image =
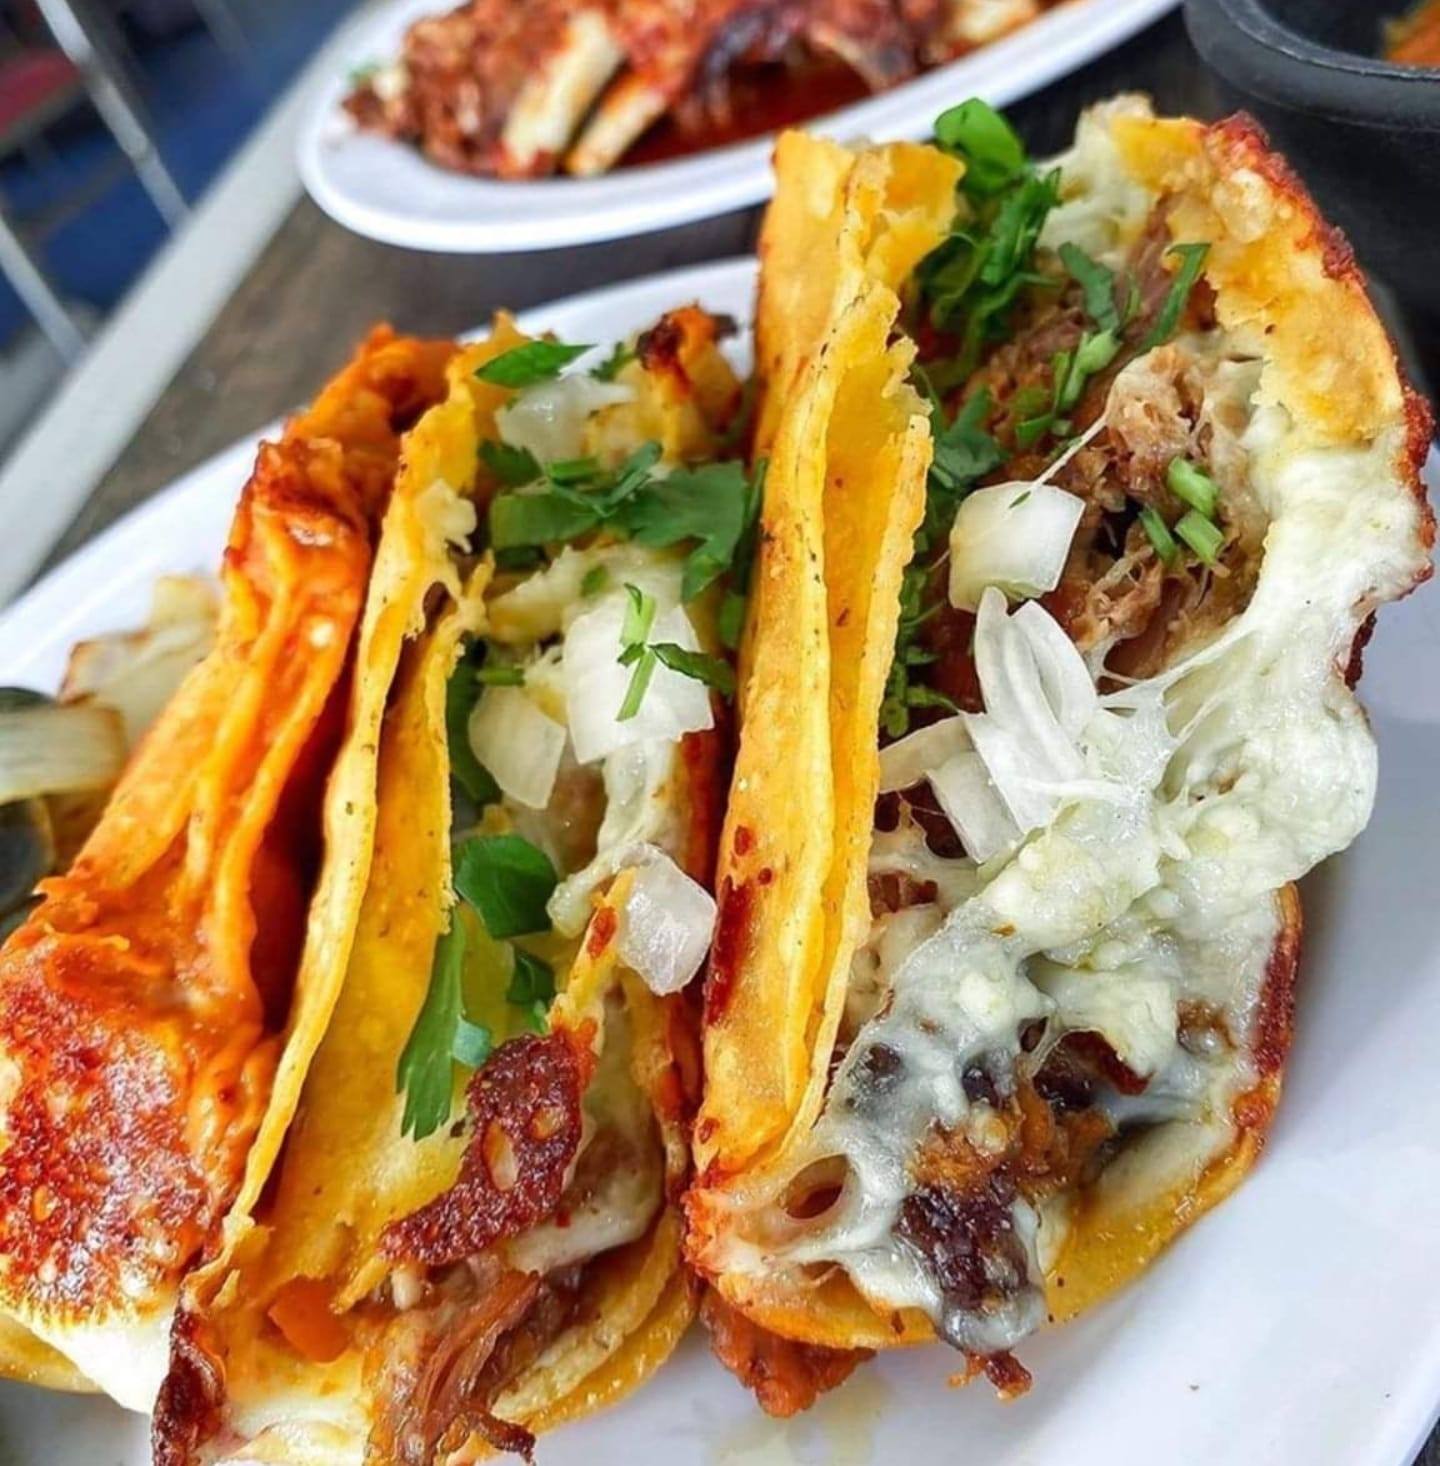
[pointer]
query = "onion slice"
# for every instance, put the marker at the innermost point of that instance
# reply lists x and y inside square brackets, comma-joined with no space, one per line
[518,744]
[548,420]
[596,684]
[965,792]
[669,920]
[1063,674]
[1014,536]
[910,759]
[59,748]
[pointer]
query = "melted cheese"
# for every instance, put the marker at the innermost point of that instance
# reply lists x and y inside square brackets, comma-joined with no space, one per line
[1154,886]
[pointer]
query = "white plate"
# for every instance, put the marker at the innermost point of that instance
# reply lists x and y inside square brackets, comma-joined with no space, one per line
[389,191]
[1297,1326]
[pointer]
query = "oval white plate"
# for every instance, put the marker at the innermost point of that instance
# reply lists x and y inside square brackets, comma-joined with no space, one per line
[1297,1326]
[389,191]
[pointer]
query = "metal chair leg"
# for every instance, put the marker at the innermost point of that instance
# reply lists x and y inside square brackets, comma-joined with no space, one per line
[25,272]
[80,34]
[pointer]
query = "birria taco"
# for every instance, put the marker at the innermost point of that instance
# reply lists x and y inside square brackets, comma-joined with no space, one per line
[473,1233]
[158,1003]
[1049,703]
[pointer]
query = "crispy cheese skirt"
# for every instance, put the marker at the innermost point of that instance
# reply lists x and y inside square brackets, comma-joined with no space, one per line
[143,1006]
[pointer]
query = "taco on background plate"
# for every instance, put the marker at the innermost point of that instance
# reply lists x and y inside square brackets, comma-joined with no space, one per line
[1049,702]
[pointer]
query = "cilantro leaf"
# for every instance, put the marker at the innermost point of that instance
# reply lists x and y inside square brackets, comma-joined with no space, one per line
[644,660]
[1192,260]
[708,504]
[639,618]
[425,1073]
[532,981]
[519,520]
[712,671]
[620,357]
[512,466]
[524,366]
[994,156]
[595,579]
[461,692]
[1097,281]
[508,881]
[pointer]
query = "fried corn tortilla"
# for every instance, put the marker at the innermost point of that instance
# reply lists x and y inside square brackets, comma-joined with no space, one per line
[157,1006]
[1002,1003]
[409,1289]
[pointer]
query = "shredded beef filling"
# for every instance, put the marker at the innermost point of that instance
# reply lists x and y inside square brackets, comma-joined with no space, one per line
[784,1376]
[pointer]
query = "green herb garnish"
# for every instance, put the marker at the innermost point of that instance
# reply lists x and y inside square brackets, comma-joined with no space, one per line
[1192,259]
[425,1073]
[595,579]
[1159,534]
[973,278]
[620,357]
[532,980]
[461,692]
[1201,534]
[1193,486]
[508,881]
[524,366]
[519,521]
[1097,282]
[994,156]
[712,671]
[512,466]
[708,504]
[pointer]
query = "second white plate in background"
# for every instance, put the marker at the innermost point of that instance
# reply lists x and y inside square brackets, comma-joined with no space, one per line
[391,192]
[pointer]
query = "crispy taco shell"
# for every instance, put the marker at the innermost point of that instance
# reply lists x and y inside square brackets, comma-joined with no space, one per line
[846,490]
[151,1021]
[347,1311]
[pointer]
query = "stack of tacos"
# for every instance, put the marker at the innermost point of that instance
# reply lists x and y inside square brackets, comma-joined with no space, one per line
[363,1097]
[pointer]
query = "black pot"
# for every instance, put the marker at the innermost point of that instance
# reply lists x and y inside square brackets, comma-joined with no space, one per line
[1364,134]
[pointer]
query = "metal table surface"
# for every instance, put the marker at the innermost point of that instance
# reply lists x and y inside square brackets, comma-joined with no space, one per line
[315,288]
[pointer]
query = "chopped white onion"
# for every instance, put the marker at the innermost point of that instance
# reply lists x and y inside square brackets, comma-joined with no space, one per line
[1023,786]
[1015,536]
[641,811]
[549,419]
[596,683]
[137,672]
[669,920]
[1063,673]
[518,744]
[964,790]
[543,604]
[57,748]
[1014,694]
[909,759]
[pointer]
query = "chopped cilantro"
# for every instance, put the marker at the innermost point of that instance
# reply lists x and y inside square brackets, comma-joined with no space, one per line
[512,466]
[461,692]
[425,1072]
[712,671]
[508,881]
[532,981]
[994,156]
[524,366]
[595,579]
[1192,260]
[620,357]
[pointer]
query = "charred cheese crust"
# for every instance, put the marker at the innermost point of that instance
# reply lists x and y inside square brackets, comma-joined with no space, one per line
[141,1004]
[1282,277]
